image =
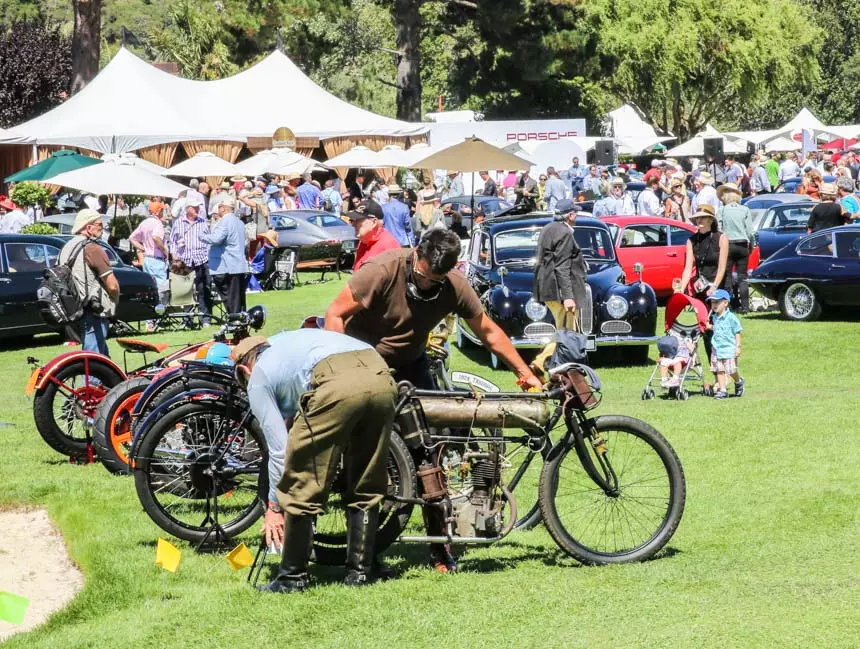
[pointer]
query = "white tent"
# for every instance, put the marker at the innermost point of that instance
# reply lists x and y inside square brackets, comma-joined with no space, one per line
[359,157]
[119,175]
[626,122]
[782,143]
[696,145]
[131,104]
[202,164]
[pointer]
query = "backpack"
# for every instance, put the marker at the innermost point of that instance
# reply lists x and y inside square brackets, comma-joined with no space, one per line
[57,295]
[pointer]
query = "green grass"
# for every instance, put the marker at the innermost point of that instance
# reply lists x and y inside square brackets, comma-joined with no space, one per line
[766,555]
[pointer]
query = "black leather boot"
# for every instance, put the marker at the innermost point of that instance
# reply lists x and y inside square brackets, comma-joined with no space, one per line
[293,575]
[360,536]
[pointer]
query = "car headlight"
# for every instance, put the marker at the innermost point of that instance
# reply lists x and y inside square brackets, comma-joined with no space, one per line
[617,306]
[535,310]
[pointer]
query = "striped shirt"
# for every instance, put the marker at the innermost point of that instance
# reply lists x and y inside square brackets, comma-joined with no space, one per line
[185,242]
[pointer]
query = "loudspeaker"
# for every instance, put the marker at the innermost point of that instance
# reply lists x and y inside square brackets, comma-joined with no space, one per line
[714,150]
[604,152]
[751,148]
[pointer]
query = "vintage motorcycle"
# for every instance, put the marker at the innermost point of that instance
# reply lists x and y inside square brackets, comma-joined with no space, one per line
[68,390]
[611,488]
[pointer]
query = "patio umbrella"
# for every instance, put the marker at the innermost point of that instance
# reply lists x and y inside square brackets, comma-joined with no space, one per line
[137,161]
[358,156]
[472,154]
[59,162]
[202,164]
[120,175]
[278,161]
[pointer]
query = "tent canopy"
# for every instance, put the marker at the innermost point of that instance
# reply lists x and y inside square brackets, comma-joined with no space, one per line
[202,164]
[109,114]
[696,145]
[278,161]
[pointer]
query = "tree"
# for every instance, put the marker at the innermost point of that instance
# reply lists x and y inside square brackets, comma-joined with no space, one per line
[690,62]
[86,41]
[37,66]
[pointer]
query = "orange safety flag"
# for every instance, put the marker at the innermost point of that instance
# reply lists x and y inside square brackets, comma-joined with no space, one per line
[167,555]
[240,557]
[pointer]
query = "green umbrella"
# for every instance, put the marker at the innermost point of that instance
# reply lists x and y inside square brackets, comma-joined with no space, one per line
[59,162]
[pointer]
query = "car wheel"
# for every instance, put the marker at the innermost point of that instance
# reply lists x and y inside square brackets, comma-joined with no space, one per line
[799,302]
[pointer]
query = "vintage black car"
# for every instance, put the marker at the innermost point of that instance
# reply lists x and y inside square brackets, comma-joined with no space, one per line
[501,269]
[821,270]
[23,258]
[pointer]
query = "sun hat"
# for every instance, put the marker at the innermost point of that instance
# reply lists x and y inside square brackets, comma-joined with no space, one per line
[226,185]
[706,210]
[395,189]
[7,204]
[727,188]
[705,178]
[828,189]
[271,236]
[676,182]
[272,189]
[238,179]
[228,201]
[720,294]
[84,218]
[246,346]
[617,181]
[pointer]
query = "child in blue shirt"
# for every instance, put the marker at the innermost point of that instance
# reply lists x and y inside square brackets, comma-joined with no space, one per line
[726,344]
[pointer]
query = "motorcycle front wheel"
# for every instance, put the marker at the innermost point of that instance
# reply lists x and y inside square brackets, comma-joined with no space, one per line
[634,518]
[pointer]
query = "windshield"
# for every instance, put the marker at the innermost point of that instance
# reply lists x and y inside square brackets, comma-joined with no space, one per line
[520,246]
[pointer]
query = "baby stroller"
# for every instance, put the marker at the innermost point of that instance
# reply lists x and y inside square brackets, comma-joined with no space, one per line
[694,316]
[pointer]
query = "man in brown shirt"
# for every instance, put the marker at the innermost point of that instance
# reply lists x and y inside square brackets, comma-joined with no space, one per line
[393,302]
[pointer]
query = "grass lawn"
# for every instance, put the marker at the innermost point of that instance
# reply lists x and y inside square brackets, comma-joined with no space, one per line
[766,555]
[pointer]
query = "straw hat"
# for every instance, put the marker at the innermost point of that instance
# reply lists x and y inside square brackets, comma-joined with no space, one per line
[727,188]
[828,189]
[84,218]
[706,210]
[271,236]
[245,346]
[705,178]
[395,189]
[238,179]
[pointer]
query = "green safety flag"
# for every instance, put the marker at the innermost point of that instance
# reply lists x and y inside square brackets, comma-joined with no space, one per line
[13,607]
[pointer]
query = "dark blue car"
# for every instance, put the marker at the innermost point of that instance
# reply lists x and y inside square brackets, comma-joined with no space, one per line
[821,270]
[781,225]
[501,267]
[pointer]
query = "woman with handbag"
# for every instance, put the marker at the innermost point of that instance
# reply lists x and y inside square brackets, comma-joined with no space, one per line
[706,261]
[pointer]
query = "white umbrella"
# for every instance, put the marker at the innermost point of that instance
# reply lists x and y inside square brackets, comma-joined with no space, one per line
[358,156]
[121,175]
[278,161]
[138,161]
[202,164]
[472,154]
[782,144]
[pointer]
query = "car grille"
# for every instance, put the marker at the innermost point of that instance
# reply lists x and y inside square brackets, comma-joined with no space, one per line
[586,312]
[538,330]
[615,327]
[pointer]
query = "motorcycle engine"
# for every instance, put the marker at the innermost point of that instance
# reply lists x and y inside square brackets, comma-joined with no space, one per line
[478,507]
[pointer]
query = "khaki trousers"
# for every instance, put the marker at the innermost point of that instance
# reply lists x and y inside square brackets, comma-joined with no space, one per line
[564,319]
[349,410]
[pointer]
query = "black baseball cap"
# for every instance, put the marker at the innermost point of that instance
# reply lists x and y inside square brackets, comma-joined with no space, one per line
[367,207]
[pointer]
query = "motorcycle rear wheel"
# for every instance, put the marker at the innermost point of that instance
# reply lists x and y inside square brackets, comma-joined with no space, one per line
[112,428]
[631,524]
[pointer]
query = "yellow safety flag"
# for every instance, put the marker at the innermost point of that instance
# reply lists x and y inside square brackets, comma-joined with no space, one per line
[240,557]
[167,555]
[13,607]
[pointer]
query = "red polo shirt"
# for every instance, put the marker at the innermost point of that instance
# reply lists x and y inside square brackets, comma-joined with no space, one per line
[378,241]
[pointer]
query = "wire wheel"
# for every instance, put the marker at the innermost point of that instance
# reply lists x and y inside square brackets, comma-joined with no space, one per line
[800,303]
[639,512]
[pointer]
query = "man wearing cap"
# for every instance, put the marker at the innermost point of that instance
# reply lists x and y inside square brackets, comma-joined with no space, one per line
[309,196]
[455,185]
[96,284]
[187,245]
[336,396]
[373,238]
[227,263]
[705,192]
[397,219]
[397,298]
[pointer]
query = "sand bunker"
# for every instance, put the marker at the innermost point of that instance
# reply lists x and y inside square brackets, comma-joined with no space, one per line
[34,564]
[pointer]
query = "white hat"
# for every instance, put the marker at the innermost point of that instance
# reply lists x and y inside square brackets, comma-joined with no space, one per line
[84,218]
[229,201]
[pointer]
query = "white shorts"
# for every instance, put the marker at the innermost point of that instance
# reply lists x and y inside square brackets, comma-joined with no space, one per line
[669,362]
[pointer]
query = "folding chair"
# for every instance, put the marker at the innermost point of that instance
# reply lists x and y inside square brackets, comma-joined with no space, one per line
[182,311]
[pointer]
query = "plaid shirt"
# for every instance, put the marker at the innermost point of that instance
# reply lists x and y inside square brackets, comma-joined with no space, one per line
[185,242]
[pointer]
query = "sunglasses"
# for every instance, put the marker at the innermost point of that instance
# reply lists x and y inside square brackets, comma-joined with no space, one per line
[419,294]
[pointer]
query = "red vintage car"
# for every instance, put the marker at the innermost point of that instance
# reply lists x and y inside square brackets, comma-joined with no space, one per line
[658,244]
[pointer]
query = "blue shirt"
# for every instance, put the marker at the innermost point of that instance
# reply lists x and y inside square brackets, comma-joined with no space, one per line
[554,191]
[398,221]
[226,246]
[310,198]
[726,327]
[333,196]
[280,377]
[851,204]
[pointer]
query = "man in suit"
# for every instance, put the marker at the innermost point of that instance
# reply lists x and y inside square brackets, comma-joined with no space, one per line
[490,188]
[560,276]
[527,190]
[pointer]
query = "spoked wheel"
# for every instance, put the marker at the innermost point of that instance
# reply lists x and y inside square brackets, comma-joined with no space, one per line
[330,528]
[639,511]
[112,429]
[196,462]
[67,404]
[799,302]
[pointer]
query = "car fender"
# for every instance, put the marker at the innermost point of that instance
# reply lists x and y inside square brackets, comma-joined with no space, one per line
[63,360]
[642,305]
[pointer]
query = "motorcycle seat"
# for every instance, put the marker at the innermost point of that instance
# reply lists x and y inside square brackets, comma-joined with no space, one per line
[141,346]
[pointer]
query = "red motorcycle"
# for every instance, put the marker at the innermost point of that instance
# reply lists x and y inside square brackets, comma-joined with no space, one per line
[68,390]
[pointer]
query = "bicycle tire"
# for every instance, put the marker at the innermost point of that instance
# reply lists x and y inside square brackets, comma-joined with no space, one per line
[146,477]
[168,392]
[113,424]
[43,407]
[666,461]
[330,549]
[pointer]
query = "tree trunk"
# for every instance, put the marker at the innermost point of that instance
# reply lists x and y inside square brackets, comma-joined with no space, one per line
[86,41]
[407,21]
